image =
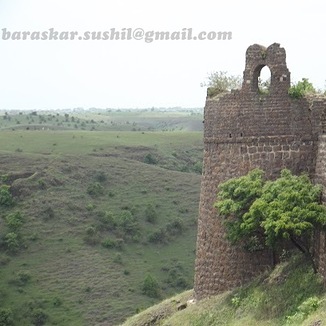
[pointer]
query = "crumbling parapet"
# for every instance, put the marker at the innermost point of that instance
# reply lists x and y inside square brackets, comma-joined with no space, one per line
[274,58]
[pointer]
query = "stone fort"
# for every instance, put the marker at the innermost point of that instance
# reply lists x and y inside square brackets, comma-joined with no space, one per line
[244,130]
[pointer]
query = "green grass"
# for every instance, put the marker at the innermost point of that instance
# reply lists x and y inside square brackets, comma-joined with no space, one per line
[181,151]
[105,120]
[291,294]
[81,142]
[74,280]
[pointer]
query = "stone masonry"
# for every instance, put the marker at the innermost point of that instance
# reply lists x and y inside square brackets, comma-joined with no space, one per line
[243,130]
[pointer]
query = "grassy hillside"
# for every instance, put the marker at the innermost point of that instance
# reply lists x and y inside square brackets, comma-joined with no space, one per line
[291,294]
[108,120]
[99,211]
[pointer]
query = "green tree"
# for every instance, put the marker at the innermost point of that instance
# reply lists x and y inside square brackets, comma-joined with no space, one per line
[235,198]
[286,208]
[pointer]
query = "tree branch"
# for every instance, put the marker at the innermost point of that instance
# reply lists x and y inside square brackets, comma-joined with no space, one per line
[305,251]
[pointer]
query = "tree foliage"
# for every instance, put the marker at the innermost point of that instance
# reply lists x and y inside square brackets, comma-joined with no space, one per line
[235,198]
[264,212]
[301,88]
[219,82]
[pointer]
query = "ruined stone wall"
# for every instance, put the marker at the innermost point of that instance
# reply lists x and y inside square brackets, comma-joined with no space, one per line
[320,178]
[244,130]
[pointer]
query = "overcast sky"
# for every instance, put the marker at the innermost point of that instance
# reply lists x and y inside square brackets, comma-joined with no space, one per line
[54,74]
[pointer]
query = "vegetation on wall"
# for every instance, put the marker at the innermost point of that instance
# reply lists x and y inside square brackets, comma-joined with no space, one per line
[219,82]
[302,88]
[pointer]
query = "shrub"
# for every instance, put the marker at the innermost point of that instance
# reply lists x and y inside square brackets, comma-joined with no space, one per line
[42,184]
[88,289]
[95,189]
[150,159]
[11,241]
[57,302]
[90,230]
[90,207]
[39,317]
[175,227]
[220,82]
[150,214]
[236,300]
[91,236]
[14,221]
[181,282]
[5,196]
[100,176]
[118,259]
[4,260]
[184,168]
[127,222]
[198,167]
[22,278]
[301,88]
[6,317]
[48,213]
[35,304]
[4,178]
[151,287]
[175,276]
[107,220]
[120,243]
[183,210]
[310,305]
[159,236]
[303,311]
[109,243]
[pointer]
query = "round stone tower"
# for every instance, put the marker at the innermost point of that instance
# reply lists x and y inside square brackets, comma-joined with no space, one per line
[243,130]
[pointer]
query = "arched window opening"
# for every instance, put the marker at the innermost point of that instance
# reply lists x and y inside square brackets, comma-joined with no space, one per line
[264,80]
